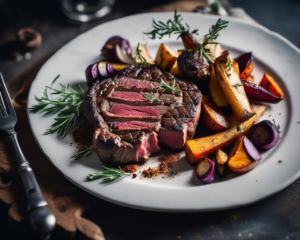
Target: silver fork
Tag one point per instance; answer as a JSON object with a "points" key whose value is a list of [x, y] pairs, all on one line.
{"points": [[41, 218]]}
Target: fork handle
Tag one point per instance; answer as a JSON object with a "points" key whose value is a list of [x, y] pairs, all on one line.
{"points": [[32, 190]]}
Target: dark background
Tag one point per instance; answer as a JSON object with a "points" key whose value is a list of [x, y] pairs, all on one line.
{"points": [[274, 218]]}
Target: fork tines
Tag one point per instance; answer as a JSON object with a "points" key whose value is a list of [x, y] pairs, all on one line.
{"points": [[5, 102]]}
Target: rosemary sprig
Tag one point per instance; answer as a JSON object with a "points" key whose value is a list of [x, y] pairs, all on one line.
{"points": [[151, 98], [109, 175], [86, 152], [67, 106], [228, 64], [138, 54], [277, 126], [167, 87], [174, 26]]}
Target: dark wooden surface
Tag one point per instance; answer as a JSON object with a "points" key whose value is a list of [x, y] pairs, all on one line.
{"points": [[276, 217]]}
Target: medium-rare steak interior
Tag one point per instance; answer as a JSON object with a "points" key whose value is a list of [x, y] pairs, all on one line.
{"points": [[133, 114]]}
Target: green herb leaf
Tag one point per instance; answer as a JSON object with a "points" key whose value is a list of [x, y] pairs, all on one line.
{"points": [[151, 98], [67, 107], [238, 128], [55, 79], [228, 64], [174, 26], [167, 87], [86, 152], [238, 85], [109, 175], [277, 126], [140, 56]]}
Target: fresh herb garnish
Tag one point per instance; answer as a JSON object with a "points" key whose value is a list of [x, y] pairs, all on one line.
{"points": [[212, 35], [67, 106], [238, 128], [161, 29], [86, 152], [109, 175], [277, 126], [138, 54], [151, 98], [228, 63], [167, 87], [238, 85], [215, 6]]}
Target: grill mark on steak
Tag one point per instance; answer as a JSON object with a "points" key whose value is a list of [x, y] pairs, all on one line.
{"points": [[128, 126]]}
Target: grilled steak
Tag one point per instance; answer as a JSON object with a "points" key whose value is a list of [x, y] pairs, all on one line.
{"points": [[129, 127]]}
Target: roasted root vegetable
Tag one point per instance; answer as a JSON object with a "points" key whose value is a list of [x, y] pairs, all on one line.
{"points": [[236, 67], [221, 163], [188, 41], [203, 147], [145, 54], [239, 159], [245, 62], [270, 84], [165, 57], [264, 135], [118, 49], [98, 71], [117, 66], [215, 90], [205, 170], [258, 93], [213, 118], [232, 87], [175, 70]]}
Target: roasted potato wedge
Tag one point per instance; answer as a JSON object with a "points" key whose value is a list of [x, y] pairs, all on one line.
{"points": [[165, 57], [215, 90], [175, 70], [221, 163], [232, 87], [145, 54], [213, 118]]}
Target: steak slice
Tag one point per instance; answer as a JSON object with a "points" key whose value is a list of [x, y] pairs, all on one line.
{"points": [[128, 126]]}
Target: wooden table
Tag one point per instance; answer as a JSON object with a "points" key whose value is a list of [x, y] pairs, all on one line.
{"points": [[80, 215]]}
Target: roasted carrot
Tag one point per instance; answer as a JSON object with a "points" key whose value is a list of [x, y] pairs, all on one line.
{"points": [[270, 84]]}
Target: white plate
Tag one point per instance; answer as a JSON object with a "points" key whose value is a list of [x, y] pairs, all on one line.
{"points": [[183, 192]]}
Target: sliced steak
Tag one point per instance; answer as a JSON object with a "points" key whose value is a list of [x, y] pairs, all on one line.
{"points": [[128, 126]]}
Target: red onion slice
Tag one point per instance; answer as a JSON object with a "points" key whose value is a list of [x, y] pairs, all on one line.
{"points": [[98, 71], [264, 135], [205, 170], [109, 49], [244, 60], [121, 56], [251, 150], [258, 93]]}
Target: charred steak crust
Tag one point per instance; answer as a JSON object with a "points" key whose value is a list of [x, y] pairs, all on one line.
{"points": [[194, 65], [128, 127]]}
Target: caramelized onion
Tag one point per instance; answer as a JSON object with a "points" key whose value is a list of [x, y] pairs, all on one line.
{"points": [[264, 135], [98, 71]]}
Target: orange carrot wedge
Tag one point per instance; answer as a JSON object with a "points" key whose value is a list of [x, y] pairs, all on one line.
{"points": [[203, 147], [270, 84]]}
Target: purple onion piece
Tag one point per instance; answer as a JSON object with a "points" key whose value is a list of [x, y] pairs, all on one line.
{"points": [[98, 71], [251, 150], [109, 48], [244, 60], [259, 93], [121, 57], [264, 135], [205, 170]]}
